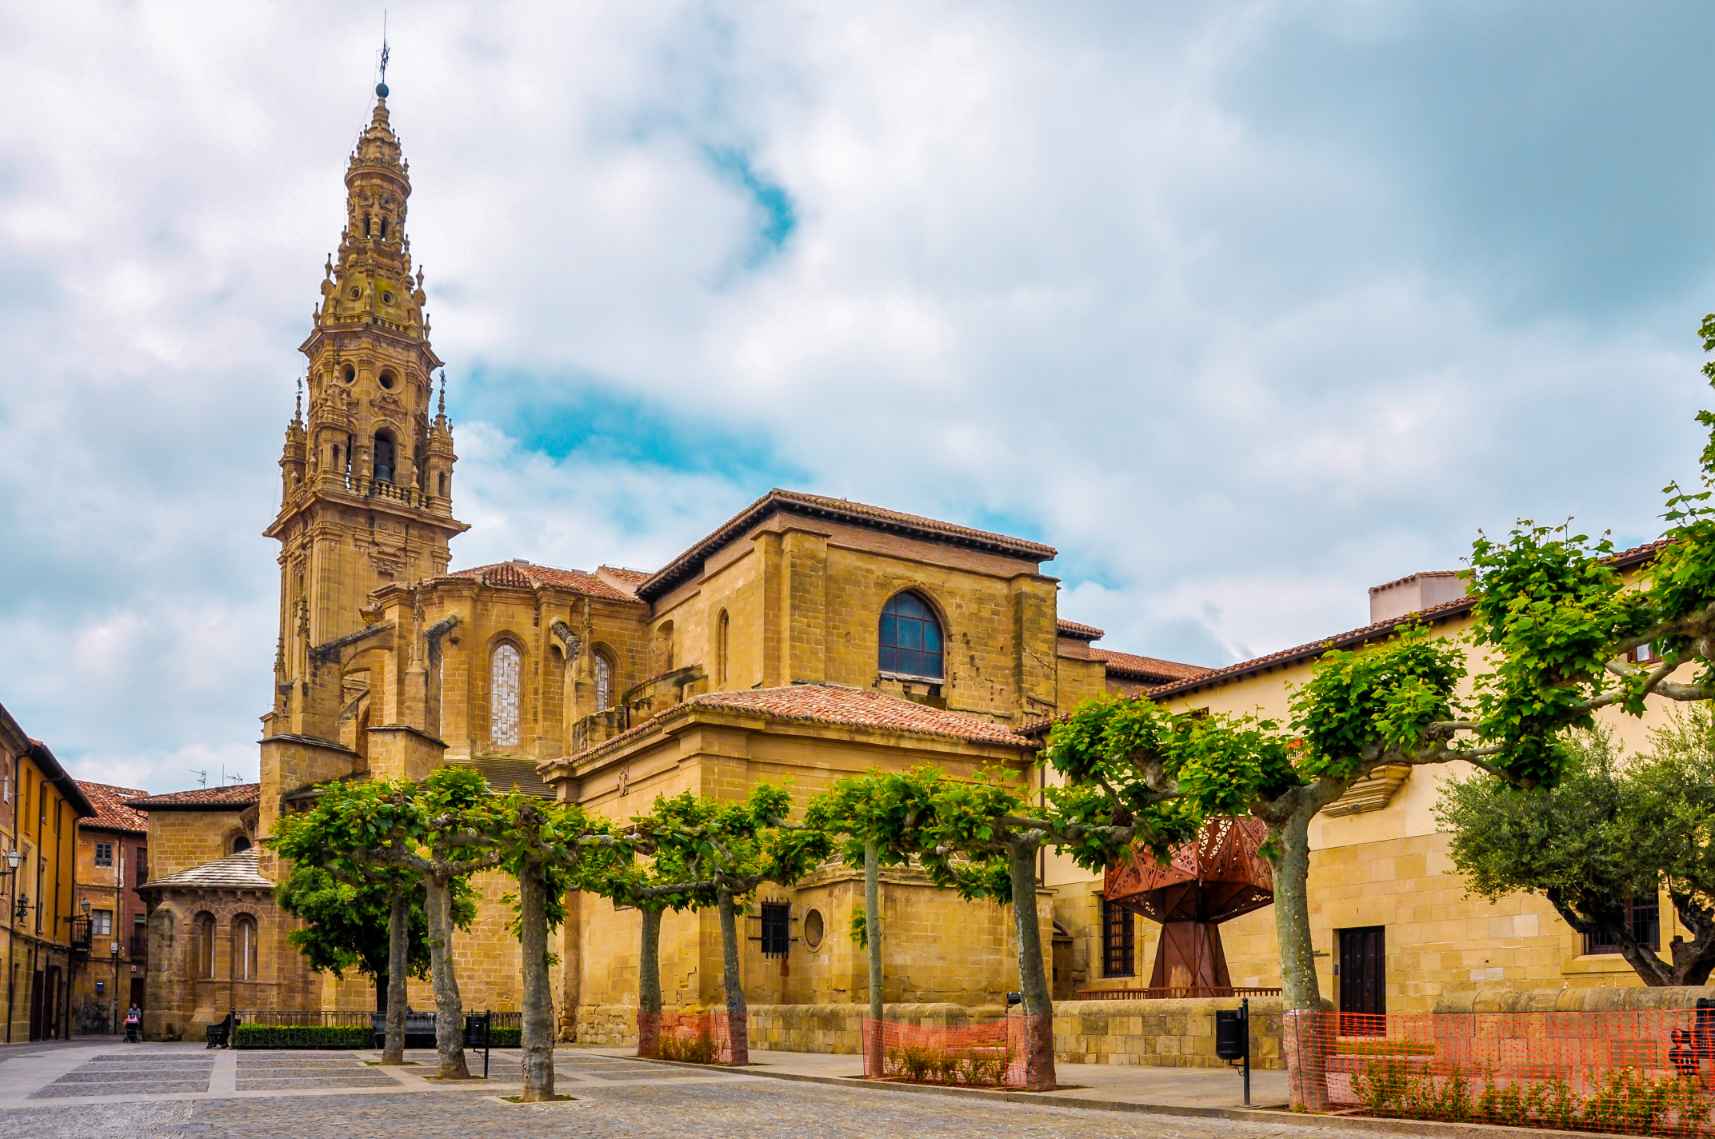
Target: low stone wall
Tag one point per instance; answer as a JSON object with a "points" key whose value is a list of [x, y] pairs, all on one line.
{"points": [[1163, 1034], [1605, 999], [1160, 1034]]}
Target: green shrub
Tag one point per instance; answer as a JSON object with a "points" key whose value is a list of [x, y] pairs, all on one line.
{"points": [[698, 1049], [505, 1037], [301, 1036]]}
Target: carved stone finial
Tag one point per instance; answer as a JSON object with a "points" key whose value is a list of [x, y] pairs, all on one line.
{"points": [[298, 404], [327, 269], [441, 406]]}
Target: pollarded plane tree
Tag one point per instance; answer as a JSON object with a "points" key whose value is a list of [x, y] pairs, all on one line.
{"points": [[980, 837], [1558, 626]]}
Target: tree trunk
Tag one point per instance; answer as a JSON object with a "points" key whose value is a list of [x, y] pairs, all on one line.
{"points": [[449, 1008], [1032, 976], [380, 985], [538, 1033], [649, 986], [398, 947], [1304, 1027], [737, 1028], [874, 1045]]}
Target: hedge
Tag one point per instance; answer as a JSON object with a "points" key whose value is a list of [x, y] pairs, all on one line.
{"points": [[505, 1037], [302, 1036]]}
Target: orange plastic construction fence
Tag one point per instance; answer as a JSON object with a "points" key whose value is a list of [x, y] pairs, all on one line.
{"points": [[698, 1037], [1646, 1072], [991, 1054]]}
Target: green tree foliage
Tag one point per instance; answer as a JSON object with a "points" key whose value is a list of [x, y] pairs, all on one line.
{"points": [[346, 926], [1607, 831]]}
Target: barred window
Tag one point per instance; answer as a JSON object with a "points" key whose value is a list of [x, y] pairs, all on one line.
{"points": [[776, 928], [1119, 941], [503, 695], [1644, 918]]}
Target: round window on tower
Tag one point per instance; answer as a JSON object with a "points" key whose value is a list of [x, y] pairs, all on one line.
{"points": [[386, 379], [354, 292], [350, 374], [386, 298]]}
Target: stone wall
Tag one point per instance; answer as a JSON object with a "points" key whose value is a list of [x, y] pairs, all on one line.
{"points": [[1160, 1034]]}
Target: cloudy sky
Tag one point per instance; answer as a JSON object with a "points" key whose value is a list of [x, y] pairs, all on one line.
{"points": [[1244, 307]]}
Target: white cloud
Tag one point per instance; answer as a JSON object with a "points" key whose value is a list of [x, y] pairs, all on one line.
{"points": [[1128, 282]]}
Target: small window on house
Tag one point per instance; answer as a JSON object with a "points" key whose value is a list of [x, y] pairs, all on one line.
{"points": [[244, 948], [1119, 941], [140, 863], [1644, 918], [104, 854], [1645, 654], [101, 923], [776, 928], [910, 637], [503, 695]]}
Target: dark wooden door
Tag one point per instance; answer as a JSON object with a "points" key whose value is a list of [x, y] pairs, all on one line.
{"points": [[36, 993], [1363, 979]]}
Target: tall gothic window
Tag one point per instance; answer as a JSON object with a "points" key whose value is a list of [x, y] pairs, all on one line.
{"points": [[503, 695], [721, 628], [910, 637], [603, 682]]}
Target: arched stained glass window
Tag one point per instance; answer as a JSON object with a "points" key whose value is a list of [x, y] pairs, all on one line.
{"points": [[603, 682], [910, 637], [503, 695]]}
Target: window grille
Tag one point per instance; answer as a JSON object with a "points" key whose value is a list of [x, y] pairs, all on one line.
{"points": [[1119, 941], [776, 928], [1644, 917]]}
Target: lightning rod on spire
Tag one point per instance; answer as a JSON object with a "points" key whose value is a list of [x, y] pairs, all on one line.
{"points": [[381, 85]]}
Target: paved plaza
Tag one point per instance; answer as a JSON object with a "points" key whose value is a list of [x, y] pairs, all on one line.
{"points": [[112, 1089]]}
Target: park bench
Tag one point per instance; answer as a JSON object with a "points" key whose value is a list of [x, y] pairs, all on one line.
{"points": [[221, 1032]]}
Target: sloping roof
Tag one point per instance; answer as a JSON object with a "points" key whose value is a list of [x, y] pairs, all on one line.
{"points": [[842, 509], [521, 574], [234, 872], [1132, 666], [632, 575], [1078, 631], [1367, 634], [234, 796], [13, 735], [834, 704], [504, 774], [112, 810]]}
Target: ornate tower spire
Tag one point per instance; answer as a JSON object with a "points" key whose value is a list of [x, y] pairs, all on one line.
{"points": [[366, 493]]}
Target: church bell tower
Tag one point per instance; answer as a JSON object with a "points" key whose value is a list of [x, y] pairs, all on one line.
{"points": [[366, 495]]}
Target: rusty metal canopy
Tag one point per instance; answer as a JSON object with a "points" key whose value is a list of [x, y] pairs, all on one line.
{"points": [[1213, 879]]}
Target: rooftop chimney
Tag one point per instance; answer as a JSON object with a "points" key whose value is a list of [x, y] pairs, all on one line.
{"points": [[1409, 594]]}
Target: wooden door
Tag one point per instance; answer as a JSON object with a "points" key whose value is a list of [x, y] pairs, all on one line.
{"points": [[1363, 979]]}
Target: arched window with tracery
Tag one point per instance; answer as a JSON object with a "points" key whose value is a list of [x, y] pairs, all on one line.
{"points": [[503, 695], [243, 948], [603, 682], [910, 638], [202, 945]]}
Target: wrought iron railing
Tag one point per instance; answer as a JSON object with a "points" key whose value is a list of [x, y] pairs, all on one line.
{"points": [[1164, 993], [317, 1018]]}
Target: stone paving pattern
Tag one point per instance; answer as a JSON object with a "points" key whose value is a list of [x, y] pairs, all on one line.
{"points": [[311, 1095]]}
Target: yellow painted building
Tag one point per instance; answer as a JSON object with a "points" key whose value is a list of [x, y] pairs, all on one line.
{"points": [[46, 939], [1383, 892]]}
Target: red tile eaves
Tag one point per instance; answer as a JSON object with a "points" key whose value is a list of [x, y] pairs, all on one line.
{"points": [[113, 810]]}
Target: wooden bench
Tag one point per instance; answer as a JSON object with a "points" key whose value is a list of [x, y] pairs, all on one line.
{"points": [[419, 1029]]}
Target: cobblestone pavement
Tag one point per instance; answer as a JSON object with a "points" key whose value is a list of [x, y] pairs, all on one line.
{"points": [[175, 1091]]}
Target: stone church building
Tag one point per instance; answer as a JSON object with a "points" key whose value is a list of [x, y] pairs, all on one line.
{"points": [[802, 639]]}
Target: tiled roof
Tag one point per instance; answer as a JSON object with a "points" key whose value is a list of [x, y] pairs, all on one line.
{"points": [[1078, 631], [632, 575], [1132, 666], [521, 574], [845, 510], [834, 704], [112, 811], [234, 872], [504, 774], [1366, 634], [233, 795]]}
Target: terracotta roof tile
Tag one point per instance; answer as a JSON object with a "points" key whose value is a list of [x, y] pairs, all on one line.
{"points": [[1078, 631], [112, 811], [520, 574], [1366, 634], [234, 872], [231, 796], [845, 510], [834, 704], [1130, 665], [505, 774]]}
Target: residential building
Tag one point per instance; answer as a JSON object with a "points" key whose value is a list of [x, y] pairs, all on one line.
{"points": [[112, 862]]}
